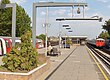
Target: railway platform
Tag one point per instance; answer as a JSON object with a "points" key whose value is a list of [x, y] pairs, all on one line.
{"points": [[73, 64]]}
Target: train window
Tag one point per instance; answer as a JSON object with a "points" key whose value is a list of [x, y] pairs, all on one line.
{"points": [[7, 44]]}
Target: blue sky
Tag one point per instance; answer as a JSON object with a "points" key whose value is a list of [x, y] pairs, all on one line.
{"points": [[88, 28]]}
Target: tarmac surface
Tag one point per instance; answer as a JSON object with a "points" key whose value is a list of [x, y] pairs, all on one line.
{"points": [[73, 64]]}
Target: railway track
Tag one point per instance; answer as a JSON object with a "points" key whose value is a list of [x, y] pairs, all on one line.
{"points": [[104, 57], [105, 50]]}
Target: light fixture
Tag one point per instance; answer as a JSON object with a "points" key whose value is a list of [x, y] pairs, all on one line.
{"points": [[100, 19], [65, 25], [68, 28], [78, 11], [95, 16], [70, 31]]}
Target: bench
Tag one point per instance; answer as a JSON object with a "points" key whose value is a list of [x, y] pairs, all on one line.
{"points": [[54, 52]]}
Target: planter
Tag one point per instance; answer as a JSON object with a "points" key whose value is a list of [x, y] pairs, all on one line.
{"points": [[31, 75]]}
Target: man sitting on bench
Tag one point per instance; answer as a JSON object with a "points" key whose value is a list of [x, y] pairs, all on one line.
{"points": [[50, 50]]}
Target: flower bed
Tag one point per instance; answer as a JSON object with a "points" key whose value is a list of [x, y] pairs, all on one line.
{"points": [[31, 75]]}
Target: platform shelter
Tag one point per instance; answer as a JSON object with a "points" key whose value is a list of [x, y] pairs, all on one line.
{"points": [[76, 39]]}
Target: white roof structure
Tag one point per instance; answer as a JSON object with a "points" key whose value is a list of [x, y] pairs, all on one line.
{"points": [[100, 39], [75, 36]]}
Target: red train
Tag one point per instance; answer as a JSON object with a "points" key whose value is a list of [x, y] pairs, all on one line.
{"points": [[6, 45], [99, 42]]}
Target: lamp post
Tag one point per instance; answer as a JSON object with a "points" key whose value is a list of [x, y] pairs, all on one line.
{"points": [[66, 26], [59, 36], [65, 40]]}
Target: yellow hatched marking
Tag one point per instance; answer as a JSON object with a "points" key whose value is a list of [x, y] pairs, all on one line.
{"points": [[105, 76]]}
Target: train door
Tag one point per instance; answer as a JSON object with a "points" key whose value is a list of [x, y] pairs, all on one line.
{"points": [[8, 45], [1, 50], [2, 47]]}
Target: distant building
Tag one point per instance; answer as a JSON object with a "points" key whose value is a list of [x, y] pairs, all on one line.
{"points": [[76, 39], [52, 38]]}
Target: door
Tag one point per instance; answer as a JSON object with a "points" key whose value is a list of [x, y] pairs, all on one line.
{"points": [[1, 48]]}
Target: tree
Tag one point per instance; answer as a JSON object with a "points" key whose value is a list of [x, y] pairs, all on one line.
{"points": [[104, 35], [42, 36], [68, 41], [5, 20], [23, 21], [23, 57], [106, 26]]}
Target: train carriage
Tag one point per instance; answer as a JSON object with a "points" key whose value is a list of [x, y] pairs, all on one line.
{"points": [[2, 47], [100, 42], [6, 45]]}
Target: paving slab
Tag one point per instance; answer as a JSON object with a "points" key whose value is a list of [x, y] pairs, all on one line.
{"points": [[56, 61], [79, 66]]}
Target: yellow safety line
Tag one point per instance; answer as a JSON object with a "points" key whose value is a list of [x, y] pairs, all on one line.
{"points": [[105, 76]]}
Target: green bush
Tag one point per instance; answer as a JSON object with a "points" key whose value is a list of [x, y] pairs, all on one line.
{"points": [[68, 41], [22, 57]]}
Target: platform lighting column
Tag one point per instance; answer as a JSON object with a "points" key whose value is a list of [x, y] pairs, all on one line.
{"points": [[34, 25], [45, 4], [13, 24], [65, 41], [83, 11], [59, 35], [46, 31], [72, 9]]}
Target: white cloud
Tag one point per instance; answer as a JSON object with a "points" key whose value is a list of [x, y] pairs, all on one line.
{"points": [[18, 1], [59, 12], [104, 1], [87, 8], [108, 6], [78, 0]]}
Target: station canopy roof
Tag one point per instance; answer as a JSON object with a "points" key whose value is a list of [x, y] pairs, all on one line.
{"points": [[80, 37]]}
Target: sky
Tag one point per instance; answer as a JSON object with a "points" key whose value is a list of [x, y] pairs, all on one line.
{"points": [[86, 28]]}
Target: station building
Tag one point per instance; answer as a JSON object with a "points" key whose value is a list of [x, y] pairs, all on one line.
{"points": [[76, 40]]}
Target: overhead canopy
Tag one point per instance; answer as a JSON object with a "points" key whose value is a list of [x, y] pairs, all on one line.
{"points": [[79, 37]]}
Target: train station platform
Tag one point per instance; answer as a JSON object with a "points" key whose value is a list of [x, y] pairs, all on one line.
{"points": [[77, 65]]}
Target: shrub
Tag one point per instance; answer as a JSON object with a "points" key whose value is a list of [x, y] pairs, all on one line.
{"points": [[24, 58], [68, 42]]}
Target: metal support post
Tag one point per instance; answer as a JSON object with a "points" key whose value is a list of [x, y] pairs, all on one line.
{"points": [[60, 42], [13, 24], [83, 11], [46, 39], [34, 26], [72, 11], [65, 41], [47, 24], [49, 4], [13, 5], [59, 36]]}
